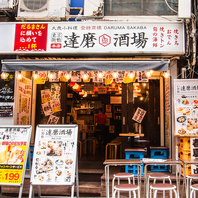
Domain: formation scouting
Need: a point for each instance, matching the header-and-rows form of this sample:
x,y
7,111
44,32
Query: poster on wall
x,y
142,77
7,88
14,145
24,101
186,106
139,115
54,158
6,111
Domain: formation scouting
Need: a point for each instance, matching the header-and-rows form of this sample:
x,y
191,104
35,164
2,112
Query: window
x,y
139,7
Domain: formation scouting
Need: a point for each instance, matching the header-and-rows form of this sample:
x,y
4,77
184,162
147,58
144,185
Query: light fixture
x,y
148,73
100,75
115,74
67,76
131,75
85,76
19,76
35,75
166,74
51,75
4,75
141,98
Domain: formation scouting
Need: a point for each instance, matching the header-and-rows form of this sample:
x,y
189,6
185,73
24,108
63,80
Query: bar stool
x,y
119,176
111,145
189,179
155,177
163,187
90,140
127,187
193,189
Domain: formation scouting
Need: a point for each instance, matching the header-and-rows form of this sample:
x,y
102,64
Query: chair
x,y
119,176
90,140
163,187
111,151
158,176
126,188
189,179
193,189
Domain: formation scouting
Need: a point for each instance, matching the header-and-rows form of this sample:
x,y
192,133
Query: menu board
x,y
14,145
55,152
186,106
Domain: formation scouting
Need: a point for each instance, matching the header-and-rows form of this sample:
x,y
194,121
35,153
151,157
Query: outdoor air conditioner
x,y
7,4
43,9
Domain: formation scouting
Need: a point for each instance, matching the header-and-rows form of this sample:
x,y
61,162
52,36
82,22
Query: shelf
x,y
76,108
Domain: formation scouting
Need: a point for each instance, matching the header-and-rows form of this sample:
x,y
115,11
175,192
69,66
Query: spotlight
x,y
148,74
100,75
35,75
19,76
166,74
85,76
68,76
51,75
131,75
4,75
115,74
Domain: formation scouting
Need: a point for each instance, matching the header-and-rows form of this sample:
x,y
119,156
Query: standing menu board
x,y
14,145
186,106
55,153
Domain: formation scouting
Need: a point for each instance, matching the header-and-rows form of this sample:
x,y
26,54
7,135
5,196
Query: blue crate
x,y
159,168
134,155
133,169
158,153
31,156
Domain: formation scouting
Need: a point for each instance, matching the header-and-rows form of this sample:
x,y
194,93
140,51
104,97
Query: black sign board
x,y
6,111
7,88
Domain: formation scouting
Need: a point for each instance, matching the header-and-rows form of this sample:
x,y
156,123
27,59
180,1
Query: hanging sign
x,y
55,152
14,145
6,111
139,115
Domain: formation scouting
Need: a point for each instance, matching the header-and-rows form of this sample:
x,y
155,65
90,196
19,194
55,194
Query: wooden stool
x,y
127,187
163,187
113,144
193,189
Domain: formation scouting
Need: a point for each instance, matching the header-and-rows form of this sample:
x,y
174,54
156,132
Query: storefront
x,y
71,86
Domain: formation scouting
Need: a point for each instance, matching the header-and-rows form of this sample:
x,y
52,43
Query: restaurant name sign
x,y
99,37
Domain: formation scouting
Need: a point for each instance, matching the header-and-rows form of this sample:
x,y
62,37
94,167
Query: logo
x,y
104,40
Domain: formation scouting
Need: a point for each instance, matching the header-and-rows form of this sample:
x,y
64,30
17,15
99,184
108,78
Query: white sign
x,y
54,155
116,100
139,115
98,37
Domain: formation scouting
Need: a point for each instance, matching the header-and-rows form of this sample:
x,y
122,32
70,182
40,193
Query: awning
x,y
11,65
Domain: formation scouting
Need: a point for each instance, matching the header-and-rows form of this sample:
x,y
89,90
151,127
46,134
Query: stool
x,y
90,140
163,187
111,144
158,153
127,187
190,177
80,146
119,176
193,189
155,177
134,153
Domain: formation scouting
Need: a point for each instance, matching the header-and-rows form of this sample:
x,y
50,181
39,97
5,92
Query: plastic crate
x,y
188,170
185,154
134,155
134,170
158,153
184,143
159,168
31,156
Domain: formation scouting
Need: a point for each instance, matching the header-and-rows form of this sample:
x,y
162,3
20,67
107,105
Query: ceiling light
x,y
19,76
100,75
115,74
131,75
51,75
166,74
85,76
35,75
68,76
148,74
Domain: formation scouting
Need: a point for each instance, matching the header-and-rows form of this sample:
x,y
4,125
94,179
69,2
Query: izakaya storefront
x,y
61,88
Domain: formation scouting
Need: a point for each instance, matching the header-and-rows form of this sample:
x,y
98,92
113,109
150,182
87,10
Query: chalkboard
x,y
6,111
54,159
7,88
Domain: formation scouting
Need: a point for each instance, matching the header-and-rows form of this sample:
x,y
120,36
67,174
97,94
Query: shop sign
x,y
116,100
186,106
100,37
6,111
139,115
14,145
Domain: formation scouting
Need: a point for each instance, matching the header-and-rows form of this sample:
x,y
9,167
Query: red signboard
x,y
30,37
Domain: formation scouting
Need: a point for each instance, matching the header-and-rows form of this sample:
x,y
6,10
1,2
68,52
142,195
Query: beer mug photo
x,y
2,154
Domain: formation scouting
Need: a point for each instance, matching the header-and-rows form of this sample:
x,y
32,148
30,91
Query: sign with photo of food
x,y
14,145
186,106
54,159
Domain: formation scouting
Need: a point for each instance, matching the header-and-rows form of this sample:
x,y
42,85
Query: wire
x,y
170,7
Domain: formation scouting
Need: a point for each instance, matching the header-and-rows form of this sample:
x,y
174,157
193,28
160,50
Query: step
x,y
91,171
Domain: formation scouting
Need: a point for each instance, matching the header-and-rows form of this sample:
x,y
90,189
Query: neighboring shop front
x,y
63,83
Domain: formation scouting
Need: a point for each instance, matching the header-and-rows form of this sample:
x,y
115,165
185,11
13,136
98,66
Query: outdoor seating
x,y
189,179
112,150
193,189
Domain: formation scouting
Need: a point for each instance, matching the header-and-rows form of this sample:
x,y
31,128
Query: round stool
x,y
193,189
160,176
163,187
119,176
115,145
127,187
189,179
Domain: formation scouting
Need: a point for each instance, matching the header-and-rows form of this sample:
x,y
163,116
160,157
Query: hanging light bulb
x,y
19,76
166,74
148,74
4,75
67,76
100,75
115,74
85,76
35,75
51,75
131,75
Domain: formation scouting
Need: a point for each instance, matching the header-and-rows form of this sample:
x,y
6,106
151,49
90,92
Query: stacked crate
x,y
134,153
158,153
185,153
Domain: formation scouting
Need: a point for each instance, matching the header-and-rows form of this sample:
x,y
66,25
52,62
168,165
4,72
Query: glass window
x,y
140,7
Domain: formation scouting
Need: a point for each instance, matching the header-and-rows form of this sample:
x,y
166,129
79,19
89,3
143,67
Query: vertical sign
x,y
14,145
55,152
31,37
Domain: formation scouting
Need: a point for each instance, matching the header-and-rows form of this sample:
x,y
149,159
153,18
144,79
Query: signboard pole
x,y
14,149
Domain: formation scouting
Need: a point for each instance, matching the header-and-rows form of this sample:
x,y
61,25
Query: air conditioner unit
x,y
43,9
7,4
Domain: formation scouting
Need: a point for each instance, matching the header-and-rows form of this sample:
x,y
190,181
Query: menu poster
x,y
55,105
55,152
53,119
186,106
75,76
139,115
7,88
54,77
14,145
120,77
142,77
97,78
6,111
45,95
